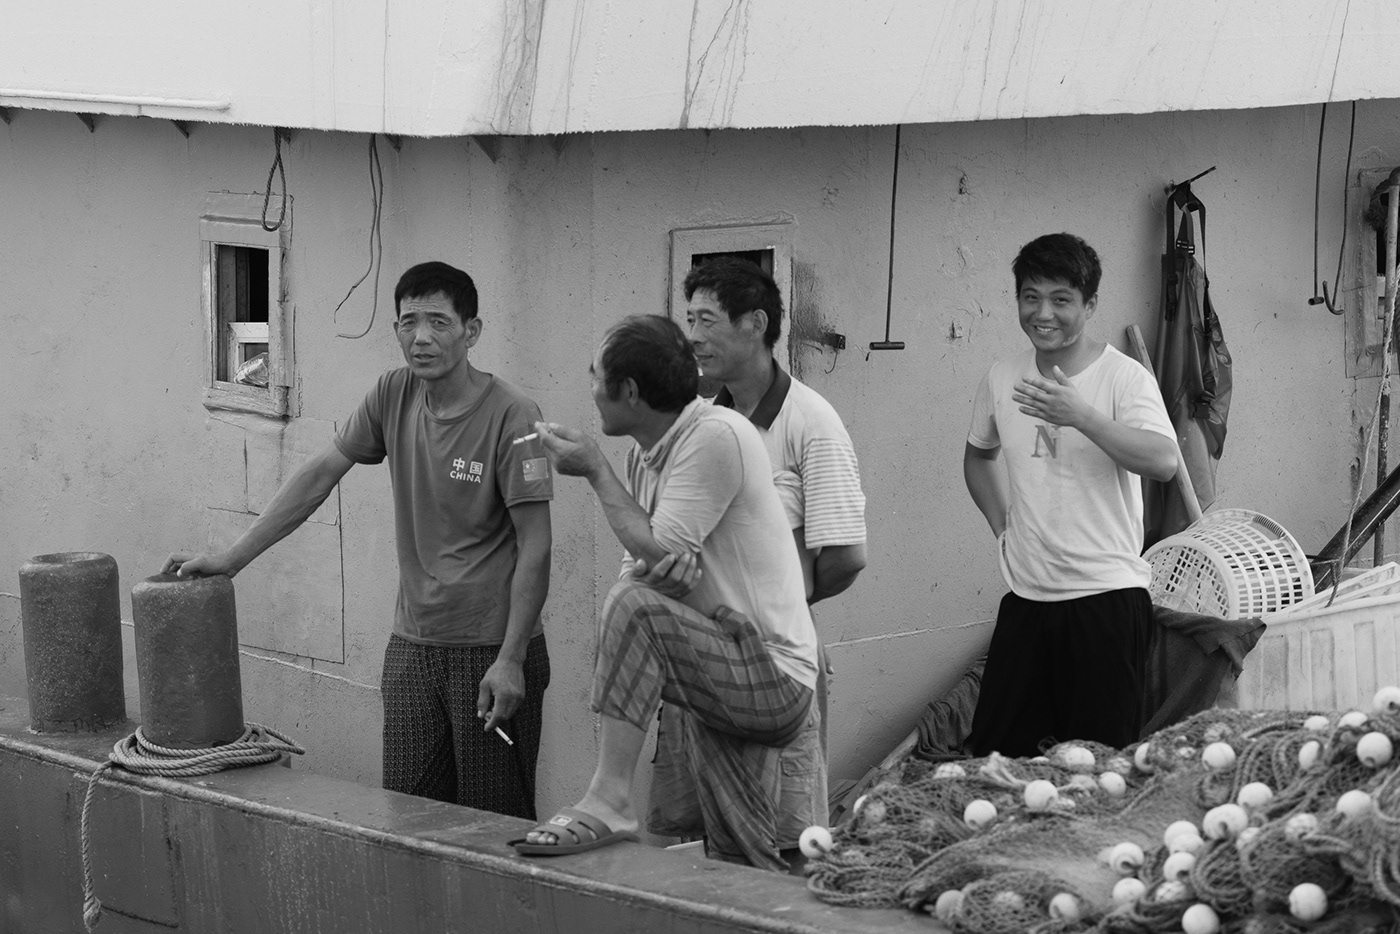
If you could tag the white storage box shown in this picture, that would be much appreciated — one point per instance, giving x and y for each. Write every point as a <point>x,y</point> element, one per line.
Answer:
<point>1327,658</point>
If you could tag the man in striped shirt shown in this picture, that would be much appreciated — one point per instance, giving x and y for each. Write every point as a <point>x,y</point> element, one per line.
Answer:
<point>734,318</point>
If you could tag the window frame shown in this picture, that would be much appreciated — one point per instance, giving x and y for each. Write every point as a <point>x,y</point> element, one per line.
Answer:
<point>688,241</point>
<point>245,332</point>
<point>1363,299</point>
<point>236,220</point>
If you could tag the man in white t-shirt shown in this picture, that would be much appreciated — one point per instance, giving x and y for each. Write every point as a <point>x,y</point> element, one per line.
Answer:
<point>733,646</point>
<point>1079,423</point>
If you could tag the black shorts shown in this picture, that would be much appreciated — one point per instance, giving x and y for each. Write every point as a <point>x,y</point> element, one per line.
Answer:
<point>1071,669</point>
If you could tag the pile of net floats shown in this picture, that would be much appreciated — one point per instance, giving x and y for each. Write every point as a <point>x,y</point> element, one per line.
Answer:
<point>1243,822</point>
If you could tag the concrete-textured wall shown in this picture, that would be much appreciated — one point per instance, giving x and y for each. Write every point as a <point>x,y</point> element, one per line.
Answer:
<point>109,448</point>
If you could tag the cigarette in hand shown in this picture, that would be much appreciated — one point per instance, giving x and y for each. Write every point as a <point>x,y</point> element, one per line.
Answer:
<point>523,438</point>
<point>500,732</point>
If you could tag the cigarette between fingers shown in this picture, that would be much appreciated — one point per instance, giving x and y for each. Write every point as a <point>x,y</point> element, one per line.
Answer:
<point>523,438</point>
<point>502,734</point>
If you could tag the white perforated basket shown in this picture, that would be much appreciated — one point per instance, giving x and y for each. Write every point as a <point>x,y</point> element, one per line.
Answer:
<point>1233,563</point>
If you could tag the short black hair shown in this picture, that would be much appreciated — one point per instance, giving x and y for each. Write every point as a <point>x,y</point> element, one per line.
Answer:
<point>653,352</point>
<point>427,279</point>
<point>741,286</point>
<point>1060,256</point>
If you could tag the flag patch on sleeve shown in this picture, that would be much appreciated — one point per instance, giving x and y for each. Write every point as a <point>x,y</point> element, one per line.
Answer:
<point>536,468</point>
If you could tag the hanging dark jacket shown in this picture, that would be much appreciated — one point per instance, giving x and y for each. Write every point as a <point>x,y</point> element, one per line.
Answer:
<point>1193,369</point>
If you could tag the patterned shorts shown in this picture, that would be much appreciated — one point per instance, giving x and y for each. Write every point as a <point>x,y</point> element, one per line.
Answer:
<point>434,744</point>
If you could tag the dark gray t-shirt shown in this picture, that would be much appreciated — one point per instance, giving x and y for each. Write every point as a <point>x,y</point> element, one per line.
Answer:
<point>454,480</point>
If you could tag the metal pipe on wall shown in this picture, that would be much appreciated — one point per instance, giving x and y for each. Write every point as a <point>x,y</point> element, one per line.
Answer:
<point>1392,191</point>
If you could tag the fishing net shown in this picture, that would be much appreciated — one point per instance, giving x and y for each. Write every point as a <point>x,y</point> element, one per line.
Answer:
<point>966,841</point>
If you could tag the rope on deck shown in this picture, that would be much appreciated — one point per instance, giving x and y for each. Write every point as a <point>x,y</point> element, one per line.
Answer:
<point>256,746</point>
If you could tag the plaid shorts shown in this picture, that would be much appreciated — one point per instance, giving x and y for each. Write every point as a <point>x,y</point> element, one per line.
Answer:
<point>739,708</point>
<point>674,809</point>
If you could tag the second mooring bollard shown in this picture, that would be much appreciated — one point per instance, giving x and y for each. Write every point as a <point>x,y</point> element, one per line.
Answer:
<point>187,661</point>
<point>70,604</point>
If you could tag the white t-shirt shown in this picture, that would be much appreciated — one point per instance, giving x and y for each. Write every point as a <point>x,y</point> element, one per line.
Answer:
<point>1074,523</point>
<point>708,488</point>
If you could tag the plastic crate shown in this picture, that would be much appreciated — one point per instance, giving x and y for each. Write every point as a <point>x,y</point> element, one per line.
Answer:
<point>1233,563</point>
<point>1324,658</point>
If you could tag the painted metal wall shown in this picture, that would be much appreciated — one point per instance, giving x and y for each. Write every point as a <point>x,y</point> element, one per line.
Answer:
<point>447,67</point>
<point>271,850</point>
<point>109,449</point>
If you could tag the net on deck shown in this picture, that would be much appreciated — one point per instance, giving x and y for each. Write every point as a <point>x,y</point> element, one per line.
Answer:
<point>960,839</point>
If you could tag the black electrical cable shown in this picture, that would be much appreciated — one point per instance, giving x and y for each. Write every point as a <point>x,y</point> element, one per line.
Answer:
<point>1317,196</point>
<point>376,240</point>
<point>1328,298</point>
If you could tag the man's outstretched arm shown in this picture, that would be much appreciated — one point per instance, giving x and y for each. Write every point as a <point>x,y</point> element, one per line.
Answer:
<point>300,495</point>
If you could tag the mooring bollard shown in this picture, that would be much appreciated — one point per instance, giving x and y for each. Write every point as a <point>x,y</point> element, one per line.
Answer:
<point>187,661</point>
<point>70,606</point>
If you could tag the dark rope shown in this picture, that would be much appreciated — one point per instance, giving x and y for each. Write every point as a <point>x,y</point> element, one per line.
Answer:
<point>277,169</point>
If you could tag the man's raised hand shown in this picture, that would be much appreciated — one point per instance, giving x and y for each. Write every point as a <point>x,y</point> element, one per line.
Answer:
<point>572,452</point>
<point>1053,400</point>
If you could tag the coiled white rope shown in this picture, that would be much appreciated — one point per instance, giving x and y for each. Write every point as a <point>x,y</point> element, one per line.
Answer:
<point>258,745</point>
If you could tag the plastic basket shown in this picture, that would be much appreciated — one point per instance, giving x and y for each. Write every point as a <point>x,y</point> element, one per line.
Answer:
<point>1233,563</point>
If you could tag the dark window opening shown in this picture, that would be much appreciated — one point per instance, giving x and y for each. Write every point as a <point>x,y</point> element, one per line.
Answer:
<point>240,300</point>
<point>1375,217</point>
<point>763,259</point>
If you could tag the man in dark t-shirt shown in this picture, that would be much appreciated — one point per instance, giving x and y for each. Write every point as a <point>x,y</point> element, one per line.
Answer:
<point>471,487</point>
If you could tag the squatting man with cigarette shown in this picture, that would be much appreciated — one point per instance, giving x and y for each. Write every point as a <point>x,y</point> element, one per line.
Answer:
<point>1079,423</point>
<point>719,628</point>
<point>734,316</point>
<point>471,517</point>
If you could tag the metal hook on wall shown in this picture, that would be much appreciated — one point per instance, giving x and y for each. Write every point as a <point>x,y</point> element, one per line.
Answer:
<point>888,344</point>
<point>1326,298</point>
<point>1174,186</point>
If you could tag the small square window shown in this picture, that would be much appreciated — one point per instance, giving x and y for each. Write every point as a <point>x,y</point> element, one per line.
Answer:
<point>247,321</point>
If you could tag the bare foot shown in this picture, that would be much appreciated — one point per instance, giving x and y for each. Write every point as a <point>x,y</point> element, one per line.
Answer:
<point>593,806</point>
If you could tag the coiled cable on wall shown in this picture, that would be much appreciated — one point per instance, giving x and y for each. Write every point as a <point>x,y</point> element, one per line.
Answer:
<point>1327,298</point>
<point>376,241</point>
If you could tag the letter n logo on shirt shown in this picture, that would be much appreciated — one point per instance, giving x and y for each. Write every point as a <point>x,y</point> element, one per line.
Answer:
<point>1047,438</point>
